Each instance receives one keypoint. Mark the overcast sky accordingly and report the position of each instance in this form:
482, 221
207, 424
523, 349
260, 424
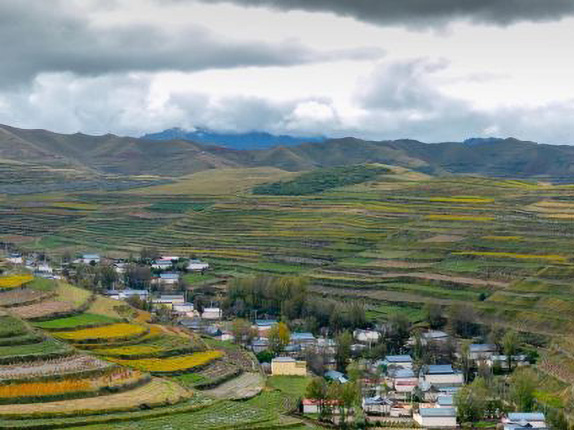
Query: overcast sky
434, 70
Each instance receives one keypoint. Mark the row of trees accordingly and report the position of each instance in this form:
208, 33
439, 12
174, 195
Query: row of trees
290, 299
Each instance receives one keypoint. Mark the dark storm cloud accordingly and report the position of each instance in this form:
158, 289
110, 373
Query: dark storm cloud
50, 36
425, 12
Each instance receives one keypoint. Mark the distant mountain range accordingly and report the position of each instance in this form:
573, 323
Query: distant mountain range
253, 140
115, 155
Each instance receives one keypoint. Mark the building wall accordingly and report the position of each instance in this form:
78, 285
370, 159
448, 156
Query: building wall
297, 368
455, 379
435, 422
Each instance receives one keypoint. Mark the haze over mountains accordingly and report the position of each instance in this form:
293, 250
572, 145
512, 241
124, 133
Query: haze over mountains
253, 140
114, 155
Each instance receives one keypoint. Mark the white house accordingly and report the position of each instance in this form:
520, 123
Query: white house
197, 266
436, 418
404, 361
185, 309
303, 340
259, 345
124, 294
167, 279
90, 258
377, 405
367, 336
162, 264
482, 351
169, 257
441, 375
311, 406
523, 420
169, 300
434, 336
502, 361
403, 380
15, 259
212, 314
44, 269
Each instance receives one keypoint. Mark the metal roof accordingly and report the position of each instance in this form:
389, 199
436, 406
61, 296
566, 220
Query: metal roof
437, 412
526, 416
437, 369
399, 358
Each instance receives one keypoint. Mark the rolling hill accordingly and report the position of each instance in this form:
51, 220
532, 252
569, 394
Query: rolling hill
114, 155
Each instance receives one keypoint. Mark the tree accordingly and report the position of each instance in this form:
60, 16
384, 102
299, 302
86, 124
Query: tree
523, 385
354, 371
343, 351
399, 327
433, 315
149, 253
350, 394
138, 276
317, 390
510, 345
462, 320
557, 419
242, 331
106, 275
471, 402
466, 361
279, 337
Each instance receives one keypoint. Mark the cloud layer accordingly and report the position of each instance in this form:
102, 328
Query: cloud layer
52, 36
425, 12
398, 100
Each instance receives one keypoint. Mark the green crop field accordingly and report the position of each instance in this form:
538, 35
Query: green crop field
395, 243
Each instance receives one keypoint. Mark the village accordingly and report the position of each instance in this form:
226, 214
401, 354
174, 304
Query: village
391, 374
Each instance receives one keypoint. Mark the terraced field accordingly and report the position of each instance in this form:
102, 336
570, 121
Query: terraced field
399, 241
502, 246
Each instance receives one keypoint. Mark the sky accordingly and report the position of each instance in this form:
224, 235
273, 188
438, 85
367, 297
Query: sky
432, 70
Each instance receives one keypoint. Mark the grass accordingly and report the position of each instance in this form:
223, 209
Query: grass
76, 321
294, 386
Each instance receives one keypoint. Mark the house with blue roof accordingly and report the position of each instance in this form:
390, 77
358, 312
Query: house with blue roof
444, 401
403, 380
377, 405
263, 326
91, 259
441, 375
333, 375
405, 361
524, 421
439, 418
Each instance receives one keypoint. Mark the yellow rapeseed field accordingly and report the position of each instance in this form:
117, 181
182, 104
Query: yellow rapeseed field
555, 258
171, 364
47, 388
14, 281
129, 350
120, 330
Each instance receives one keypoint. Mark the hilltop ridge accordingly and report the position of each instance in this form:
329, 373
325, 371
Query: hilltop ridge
115, 155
